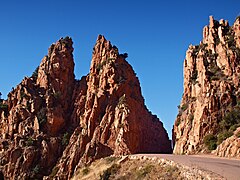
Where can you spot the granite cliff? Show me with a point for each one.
(209, 113)
(51, 123)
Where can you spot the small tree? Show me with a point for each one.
(210, 141)
(124, 55)
(42, 116)
(35, 74)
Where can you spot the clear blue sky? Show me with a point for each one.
(154, 33)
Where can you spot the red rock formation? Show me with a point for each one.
(38, 110)
(55, 123)
(211, 90)
(114, 119)
(56, 76)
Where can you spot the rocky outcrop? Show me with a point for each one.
(56, 77)
(52, 124)
(113, 118)
(39, 109)
(209, 109)
(230, 147)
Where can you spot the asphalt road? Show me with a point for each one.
(227, 168)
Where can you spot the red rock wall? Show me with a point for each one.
(211, 86)
(55, 123)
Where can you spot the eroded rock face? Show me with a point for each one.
(230, 147)
(53, 123)
(211, 90)
(56, 77)
(113, 119)
(38, 110)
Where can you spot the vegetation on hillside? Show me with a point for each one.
(227, 125)
(116, 168)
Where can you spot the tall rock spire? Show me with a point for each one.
(114, 119)
(54, 124)
(211, 91)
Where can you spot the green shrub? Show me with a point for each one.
(124, 55)
(22, 94)
(85, 171)
(223, 135)
(120, 125)
(57, 95)
(195, 50)
(178, 121)
(214, 69)
(30, 141)
(231, 118)
(28, 106)
(211, 56)
(193, 99)
(202, 46)
(229, 123)
(65, 41)
(144, 171)
(214, 78)
(65, 139)
(171, 169)
(212, 146)
(3, 106)
(184, 107)
(237, 51)
(234, 127)
(122, 100)
(35, 74)
(110, 171)
(106, 175)
(99, 67)
(54, 172)
(121, 80)
(194, 76)
(210, 141)
(191, 117)
(57, 98)
(42, 116)
(110, 159)
(230, 40)
(103, 63)
(36, 170)
(217, 41)
(216, 73)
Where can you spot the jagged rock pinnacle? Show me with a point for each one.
(211, 92)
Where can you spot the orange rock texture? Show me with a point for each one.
(210, 106)
(51, 123)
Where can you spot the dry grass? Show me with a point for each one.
(114, 168)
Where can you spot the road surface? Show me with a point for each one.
(227, 168)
